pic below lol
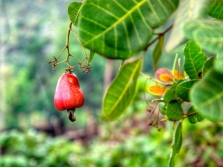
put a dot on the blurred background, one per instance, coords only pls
(34, 133)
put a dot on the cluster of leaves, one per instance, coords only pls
(121, 30)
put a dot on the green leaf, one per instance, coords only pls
(176, 145)
(174, 111)
(207, 33)
(73, 11)
(121, 29)
(121, 91)
(170, 94)
(162, 108)
(194, 59)
(199, 117)
(172, 159)
(207, 96)
(177, 138)
(92, 53)
(208, 65)
(157, 52)
(216, 9)
(194, 118)
(186, 10)
(219, 63)
(183, 89)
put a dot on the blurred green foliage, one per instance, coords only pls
(31, 148)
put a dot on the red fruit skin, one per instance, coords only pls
(68, 94)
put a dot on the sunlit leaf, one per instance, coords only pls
(73, 11)
(186, 10)
(218, 65)
(183, 89)
(174, 111)
(121, 29)
(163, 75)
(208, 65)
(121, 91)
(157, 90)
(216, 9)
(194, 59)
(157, 52)
(207, 33)
(207, 96)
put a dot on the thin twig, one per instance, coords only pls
(159, 35)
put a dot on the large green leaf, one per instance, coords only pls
(122, 90)
(194, 60)
(216, 9)
(73, 11)
(121, 29)
(207, 33)
(186, 10)
(207, 96)
(218, 65)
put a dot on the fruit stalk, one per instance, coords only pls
(71, 115)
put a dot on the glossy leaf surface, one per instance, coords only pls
(194, 59)
(207, 96)
(121, 91)
(121, 29)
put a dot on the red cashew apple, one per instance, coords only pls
(68, 95)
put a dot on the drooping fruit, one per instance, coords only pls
(68, 95)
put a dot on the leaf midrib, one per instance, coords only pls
(126, 88)
(211, 100)
(119, 21)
